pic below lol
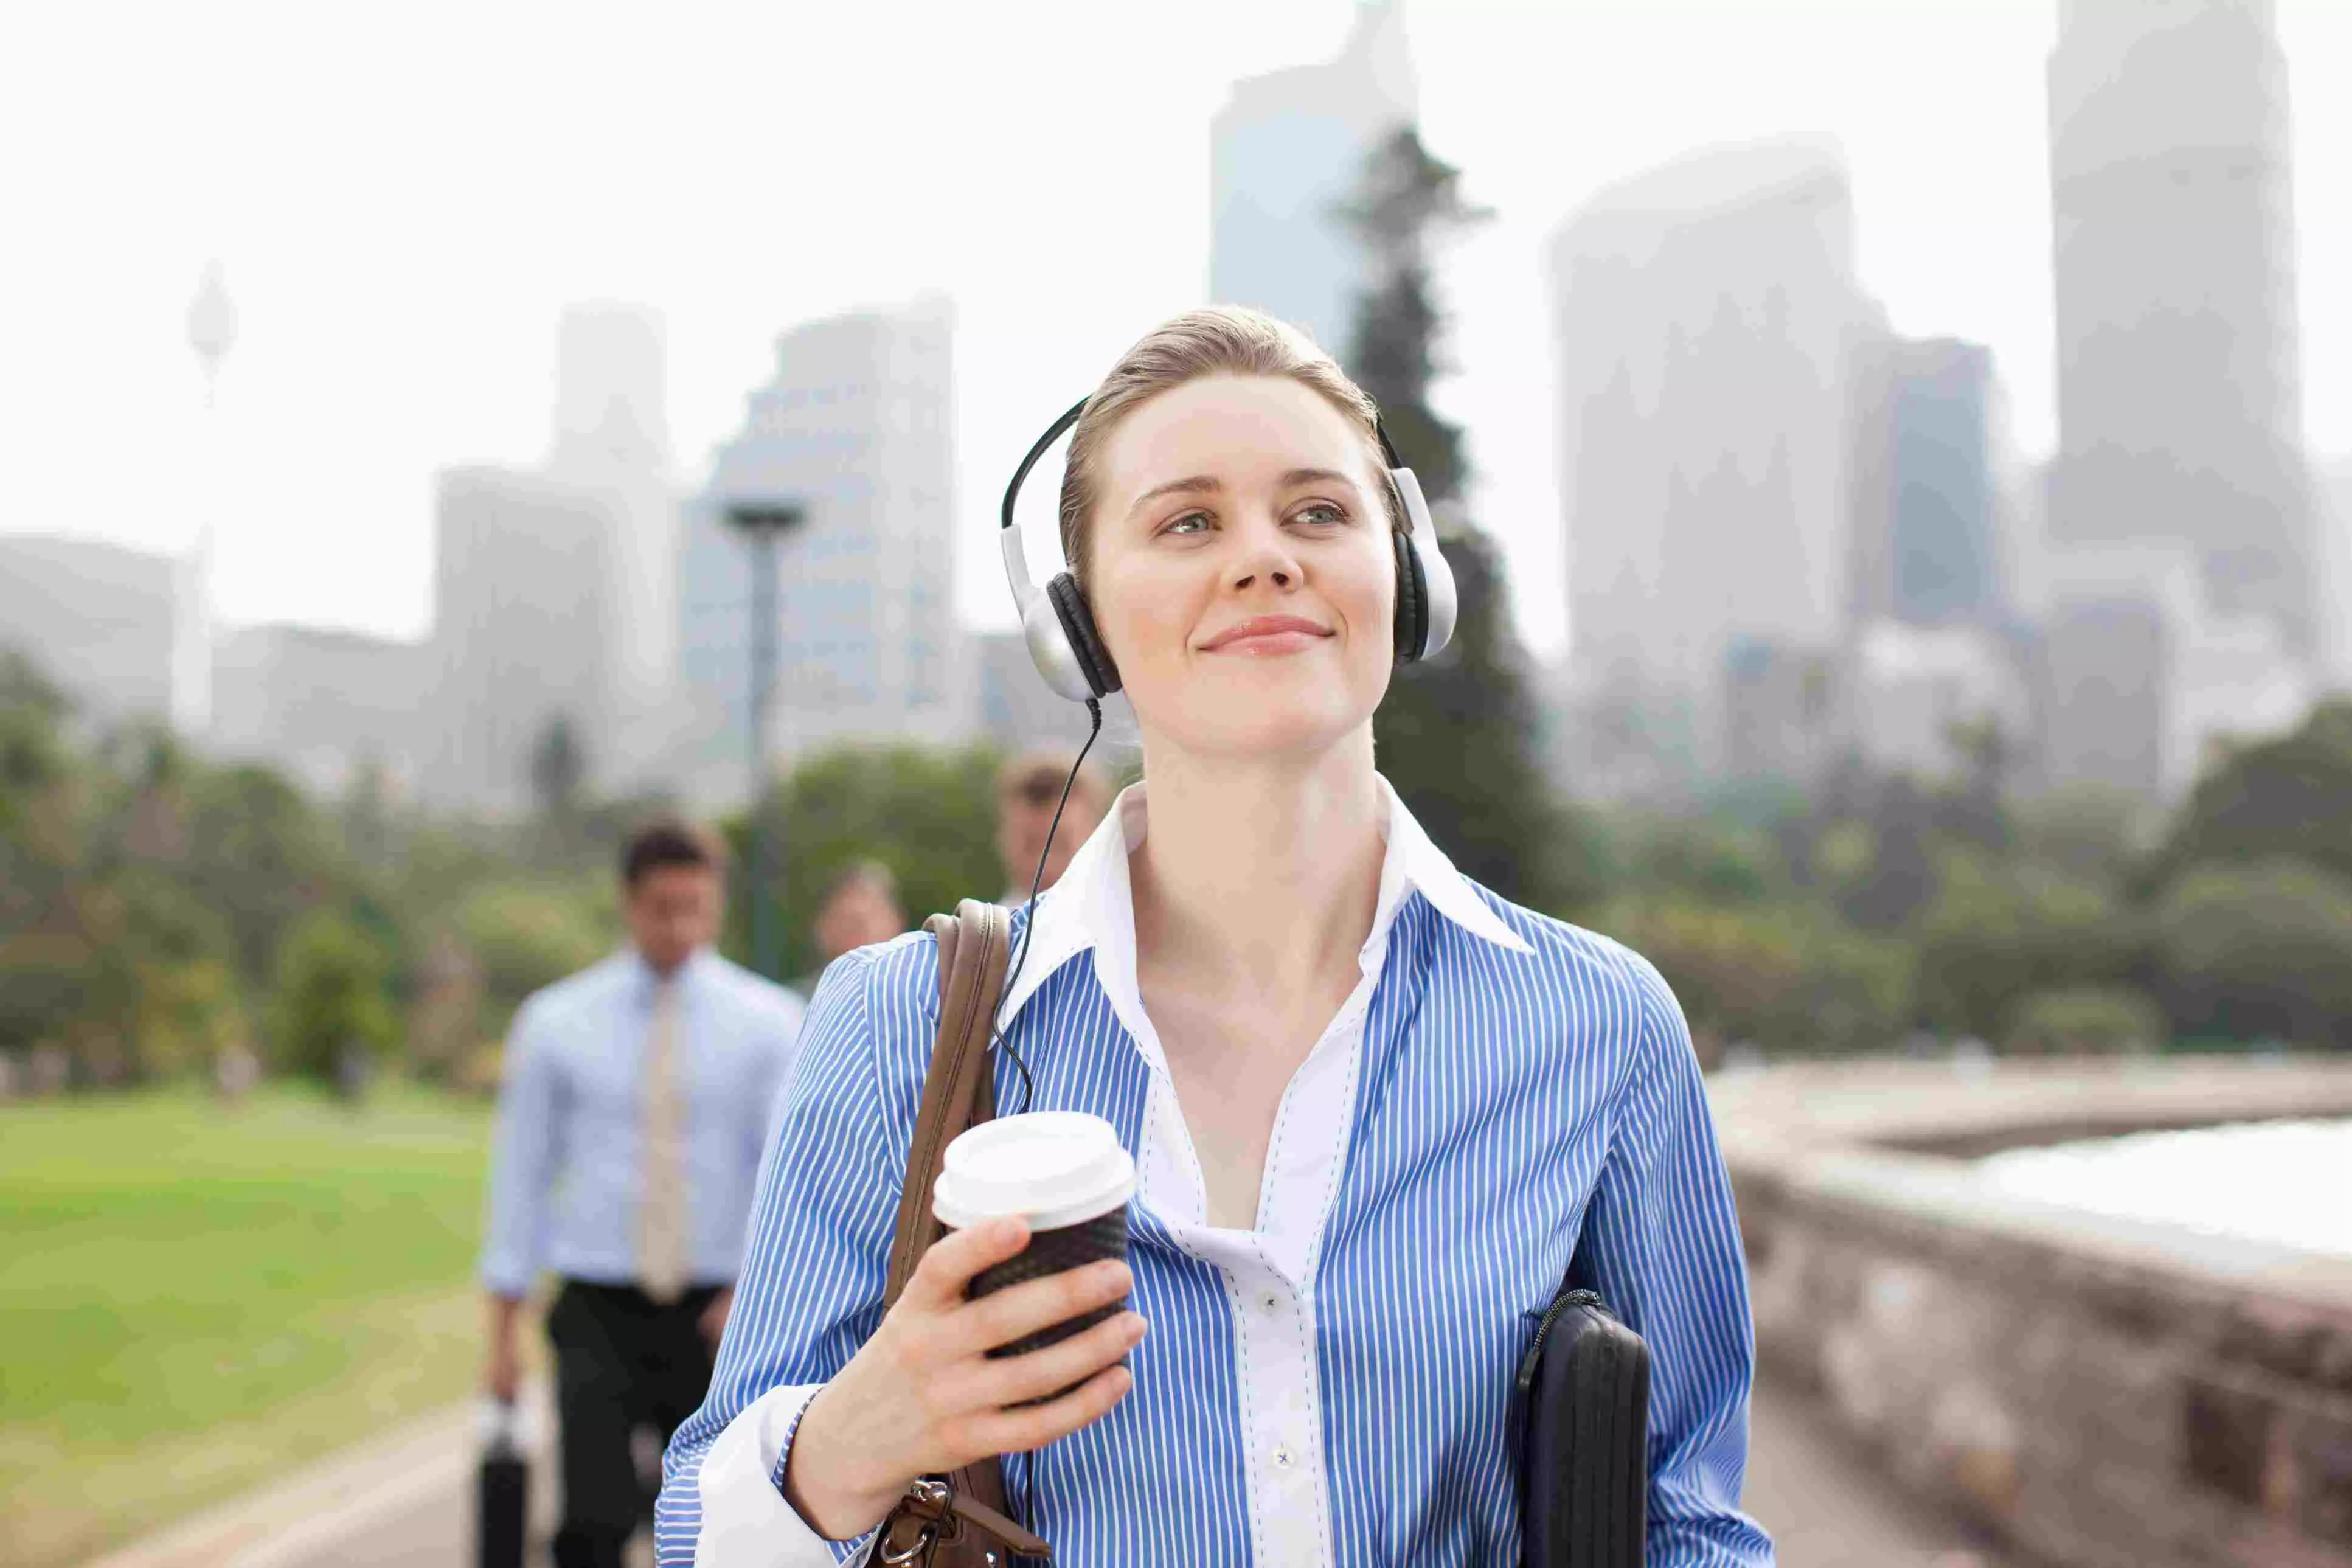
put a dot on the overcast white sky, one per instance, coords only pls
(404, 197)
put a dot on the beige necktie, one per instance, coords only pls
(662, 1226)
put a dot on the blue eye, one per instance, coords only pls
(1186, 523)
(1321, 512)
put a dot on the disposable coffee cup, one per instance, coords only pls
(1064, 1171)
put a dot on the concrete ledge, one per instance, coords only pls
(2098, 1391)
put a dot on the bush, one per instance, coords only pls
(1783, 976)
(1998, 933)
(330, 995)
(930, 815)
(189, 1016)
(2258, 950)
(2085, 1020)
(522, 937)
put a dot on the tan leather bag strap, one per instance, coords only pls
(959, 1087)
(949, 1521)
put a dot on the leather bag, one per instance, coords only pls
(958, 1520)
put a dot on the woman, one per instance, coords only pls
(1373, 1107)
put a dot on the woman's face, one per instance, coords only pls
(1240, 571)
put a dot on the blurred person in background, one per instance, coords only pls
(637, 1104)
(1028, 788)
(860, 907)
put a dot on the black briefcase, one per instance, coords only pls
(1584, 1460)
(502, 1502)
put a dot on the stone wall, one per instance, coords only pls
(2098, 1392)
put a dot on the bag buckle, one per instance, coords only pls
(931, 1502)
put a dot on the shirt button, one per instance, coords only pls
(1269, 1300)
(1282, 1457)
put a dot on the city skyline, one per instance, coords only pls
(399, 277)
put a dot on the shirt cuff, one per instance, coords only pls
(746, 1522)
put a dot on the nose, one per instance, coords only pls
(1265, 556)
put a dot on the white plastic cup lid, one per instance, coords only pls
(1052, 1168)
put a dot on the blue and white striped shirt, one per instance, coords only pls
(1333, 1386)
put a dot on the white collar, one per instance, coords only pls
(646, 984)
(1093, 905)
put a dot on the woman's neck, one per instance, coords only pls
(1256, 876)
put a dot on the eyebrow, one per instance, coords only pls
(1209, 484)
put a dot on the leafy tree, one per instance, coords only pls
(40, 840)
(928, 815)
(1458, 734)
(188, 1013)
(559, 767)
(262, 855)
(1700, 857)
(330, 994)
(446, 1027)
(1976, 810)
(1879, 865)
(1997, 932)
(2260, 949)
(523, 937)
(1782, 977)
(2085, 1020)
(2087, 833)
(2287, 796)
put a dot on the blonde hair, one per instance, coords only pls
(1216, 339)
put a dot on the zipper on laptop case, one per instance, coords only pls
(1560, 1304)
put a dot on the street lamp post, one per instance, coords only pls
(763, 522)
(212, 332)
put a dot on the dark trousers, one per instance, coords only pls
(622, 1362)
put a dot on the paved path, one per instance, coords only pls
(1828, 1507)
(409, 1504)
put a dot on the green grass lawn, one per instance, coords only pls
(195, 1299)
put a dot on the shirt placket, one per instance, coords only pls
(1268, 1274)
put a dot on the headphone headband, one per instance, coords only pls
(1053, 434)
(1077, 411)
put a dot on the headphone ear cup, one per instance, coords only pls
(1411, 600)
(1078, 625)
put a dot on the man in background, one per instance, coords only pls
(635, 1108)
(1028, 788)
(860, 907)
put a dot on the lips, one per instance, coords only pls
(1265, 628)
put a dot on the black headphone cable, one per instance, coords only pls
(1036, 887)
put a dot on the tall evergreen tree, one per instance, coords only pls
(1457, 733)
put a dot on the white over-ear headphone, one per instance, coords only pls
(1070, 653)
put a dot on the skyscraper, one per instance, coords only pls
(855, 426)
(523, 635)
(319, 703)
(612, 434)
(1927, 491)
(105, 624)
(1286, 152)
(2179, 381)
(1704, 316)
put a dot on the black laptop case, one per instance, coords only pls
(502, 1502)
(1584, 1471)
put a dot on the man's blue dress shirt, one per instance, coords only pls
(565, 1177)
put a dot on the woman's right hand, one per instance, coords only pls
(922, 1397)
